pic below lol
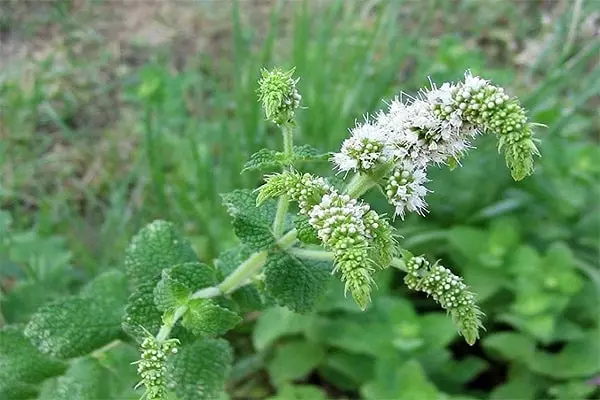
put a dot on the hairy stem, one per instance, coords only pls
(359, 185)
(319, 255)
(247, 269)
(284, 201)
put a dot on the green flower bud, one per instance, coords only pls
(449, 291)
(152, 366)
(278, 95)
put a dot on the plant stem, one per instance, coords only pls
(284, 201)
(282, 209)
(242, 273)
(165, 329)
(320, 255)
(359, 185)
(98, 353)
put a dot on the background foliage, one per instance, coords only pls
(113, 115)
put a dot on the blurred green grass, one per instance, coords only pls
(102, 133)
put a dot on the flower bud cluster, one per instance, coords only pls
(306, 189)
(340, 224)
(449, 291)
(278, 94)
(405, 189)
(363, 150)
(152, 366)
(436, 128)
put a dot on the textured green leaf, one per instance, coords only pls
(247, 297)
(264, 160)
(306, 233)
(308, 153)
(347, 370)
(85, 379)
(299, 392)
(199, 370)
(277, 322)
(77, 325)
(206, 318)
(407, 382)
(296, 283)
(180, 281)
(24, 299)
(437, 330)
(155, 247)
(294, 360)
(21, 364)
(141, 312)
(251, 224)
(521, 384)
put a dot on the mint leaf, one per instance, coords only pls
(246, 297)
(309, 153)
(294, 360)
(141, 313)
(277, 322)
(407, 382)
(206, 318)
(263, 160)
(85, 379)
(181, 281)
(295, 283)
(155, 247)
(199, 370)
(77, 325)
(306, 233)
(251, 223)
(21, 364)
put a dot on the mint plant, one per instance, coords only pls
(296, 231)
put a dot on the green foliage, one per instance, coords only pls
(179, 282)
(157, 246)
(206, 318)
(23, 365)
(80, 324)
(200, 369)
(252, 224)
(85, 379)
(296, 283)
(78, 188)
(267, 159)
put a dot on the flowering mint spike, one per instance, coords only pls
(383, 241)
(449, 291)
(405, 189)
(152, 366)
(364, 150)
(306, 189)
(278, 95)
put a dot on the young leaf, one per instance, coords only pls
(21, 364)
(295, 283)
(200, 369)
(306, 233)
(85, 379)
(294, 360)
(79, 324)
(263, 160)
(206, 318)
(156, 246)
(251, 224)
(309, 153)
(247, 297)
(180, 281)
